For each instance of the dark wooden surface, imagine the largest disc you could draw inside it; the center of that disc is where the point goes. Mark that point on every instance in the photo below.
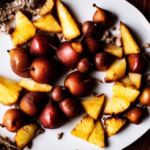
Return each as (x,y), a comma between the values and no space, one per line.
(144,142)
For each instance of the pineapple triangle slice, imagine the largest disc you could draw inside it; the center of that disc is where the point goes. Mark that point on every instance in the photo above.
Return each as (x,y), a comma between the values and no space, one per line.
(126,80)
(70,28)
(24,31)
(136,79)
(7,97)
(94,105)
(31,85)
(84,128)
(97,135)
(10,84)
(47,7)
(116,71)
(113,124)
(129,44)
(47,23)
(125,92)
(116,106)
(25,135)
(114,50)
(9,91)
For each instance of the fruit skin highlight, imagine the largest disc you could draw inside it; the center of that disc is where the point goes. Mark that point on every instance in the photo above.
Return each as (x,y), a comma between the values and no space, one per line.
(51,116)
(14,119)
(20,59)
(145,97)
(135,115)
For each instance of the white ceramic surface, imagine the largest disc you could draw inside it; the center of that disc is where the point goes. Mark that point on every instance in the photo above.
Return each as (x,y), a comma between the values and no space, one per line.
(83,10)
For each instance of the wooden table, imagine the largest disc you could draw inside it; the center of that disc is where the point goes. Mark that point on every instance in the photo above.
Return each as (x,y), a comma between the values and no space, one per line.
(144,142)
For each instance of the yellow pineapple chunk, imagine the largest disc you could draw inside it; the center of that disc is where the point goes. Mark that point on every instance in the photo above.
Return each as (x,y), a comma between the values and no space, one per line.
(97,135)
(116,106)
(136,79)
(126,80)
(113,124)
(70,28)
(31,85)
(25,135)
(129,44)
(116,71)
(47,7)
(114,50)
(94,105)
(24,31)
(47,23)
(84,128)
(125,91)
(9,91)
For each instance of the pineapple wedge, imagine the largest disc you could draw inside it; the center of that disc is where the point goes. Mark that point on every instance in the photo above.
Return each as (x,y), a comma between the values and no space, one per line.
(97,135)
(24,31)
(113,124)
(47,7)
(94,105)
(116,71)
(116,106)
(70,28)
(9,91)
(126,80)
(47,23)
(136,79)
(114,50)
(84,128)
(125,92)
(129,44)
(31,85)
(25,135)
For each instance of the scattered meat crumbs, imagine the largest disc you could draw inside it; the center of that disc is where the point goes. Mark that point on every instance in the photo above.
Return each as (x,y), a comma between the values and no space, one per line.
(59,135)
(114,28)
(146,45)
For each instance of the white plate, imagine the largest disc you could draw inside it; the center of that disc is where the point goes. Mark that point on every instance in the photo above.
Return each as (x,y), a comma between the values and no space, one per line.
(83,10)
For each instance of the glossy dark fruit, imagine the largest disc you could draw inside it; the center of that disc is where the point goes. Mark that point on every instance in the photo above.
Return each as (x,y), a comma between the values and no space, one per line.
(76,85)
(32,103)
(145,96)
(52,117)
(89,29)
(102,61)
(136,63)
(103,17)
(92,45)
(40,45)
(84,65)
(71,107)
(44,70)
(70,53)
(14,119)
(20,59)
(59,93)
(135,115)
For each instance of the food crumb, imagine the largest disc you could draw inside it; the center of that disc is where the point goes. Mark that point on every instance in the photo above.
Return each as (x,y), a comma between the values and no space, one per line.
(59,135)
(30,145)
(114,28)
(117,41)
(40,131)
(146,45)
(108,41)
(94,94)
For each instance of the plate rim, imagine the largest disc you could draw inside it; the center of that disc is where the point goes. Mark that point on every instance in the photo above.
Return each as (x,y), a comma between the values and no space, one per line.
(149,25)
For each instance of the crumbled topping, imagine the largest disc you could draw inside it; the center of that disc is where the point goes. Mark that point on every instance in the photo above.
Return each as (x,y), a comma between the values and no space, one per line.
(114,28)
(59,135)
(146,45)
